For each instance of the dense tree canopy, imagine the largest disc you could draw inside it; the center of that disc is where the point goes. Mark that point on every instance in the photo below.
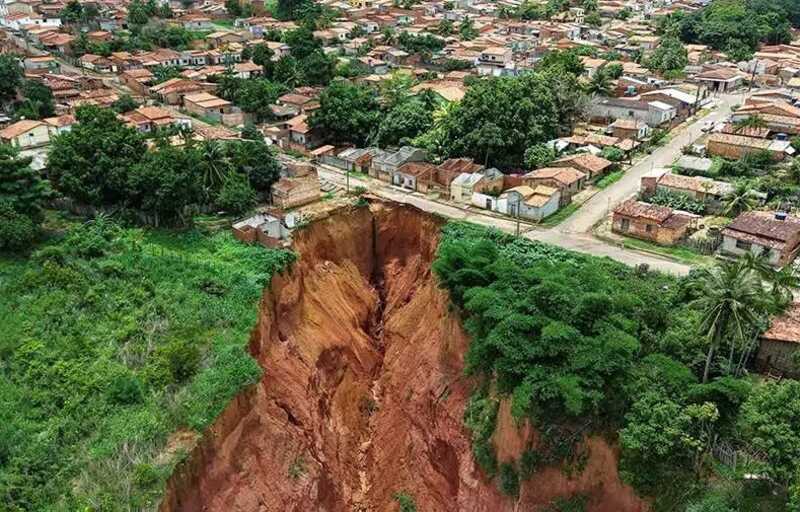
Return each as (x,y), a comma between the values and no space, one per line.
(104,163)
(347,113)
(22,199)
(500,117)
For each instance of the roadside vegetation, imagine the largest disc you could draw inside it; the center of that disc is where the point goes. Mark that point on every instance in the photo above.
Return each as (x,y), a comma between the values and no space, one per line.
(582,345)
(114,339)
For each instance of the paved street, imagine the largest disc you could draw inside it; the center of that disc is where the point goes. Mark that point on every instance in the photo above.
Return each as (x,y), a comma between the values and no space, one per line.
(598,206)
(575,232)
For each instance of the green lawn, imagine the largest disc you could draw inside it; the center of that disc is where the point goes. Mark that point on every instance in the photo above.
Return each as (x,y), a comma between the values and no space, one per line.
(558,217)
(223,23)
(609,179)
(114,339)
(683,254)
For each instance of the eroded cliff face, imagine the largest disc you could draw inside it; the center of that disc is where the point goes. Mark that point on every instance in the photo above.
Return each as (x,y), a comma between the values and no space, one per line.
(363,392)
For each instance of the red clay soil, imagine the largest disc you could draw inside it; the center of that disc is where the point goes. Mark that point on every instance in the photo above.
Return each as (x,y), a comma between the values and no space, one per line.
(363,392)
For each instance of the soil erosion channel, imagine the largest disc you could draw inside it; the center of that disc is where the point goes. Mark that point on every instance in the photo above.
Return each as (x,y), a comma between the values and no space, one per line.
(363,392)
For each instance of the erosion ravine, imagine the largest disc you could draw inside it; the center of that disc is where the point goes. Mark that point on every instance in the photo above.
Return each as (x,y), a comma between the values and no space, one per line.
(363,392)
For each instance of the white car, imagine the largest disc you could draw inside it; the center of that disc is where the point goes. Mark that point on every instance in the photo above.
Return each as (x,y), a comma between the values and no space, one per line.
(707,126)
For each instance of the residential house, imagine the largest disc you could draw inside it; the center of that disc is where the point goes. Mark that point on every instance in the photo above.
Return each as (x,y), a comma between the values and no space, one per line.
(685,104)
(148,119)
(385,163)
(654,223)
(705,190)
(733,147)
(568,180)
(416,176)
(301,136)
(531,203)
(462,186)
(268,230)
(778,345)
(174,90)
(654,113)
(775,235)
(60,124)
(495,61)
(43,64)
(138,80)
(293,192)
(592,165)
(630,129)
(207,105)
(720,79)
(453,167)
(26,134)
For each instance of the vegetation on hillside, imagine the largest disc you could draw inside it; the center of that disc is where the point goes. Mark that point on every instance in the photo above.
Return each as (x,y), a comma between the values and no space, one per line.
(113,340)
(580,344)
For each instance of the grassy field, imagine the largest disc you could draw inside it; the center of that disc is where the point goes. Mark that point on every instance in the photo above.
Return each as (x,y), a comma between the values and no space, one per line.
(113,340)
(680,253)
(560,216)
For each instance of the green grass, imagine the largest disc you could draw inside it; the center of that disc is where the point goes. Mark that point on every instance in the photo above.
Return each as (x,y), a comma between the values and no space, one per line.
(114,339)
(683,254)
(609,179)
(223,23)
(561,215)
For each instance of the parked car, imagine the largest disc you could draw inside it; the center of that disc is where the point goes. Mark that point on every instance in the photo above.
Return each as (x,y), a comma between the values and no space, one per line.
(707,126)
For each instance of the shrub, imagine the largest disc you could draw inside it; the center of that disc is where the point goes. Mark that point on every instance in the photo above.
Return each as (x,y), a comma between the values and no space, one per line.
(509,479)
(677,201)
(17,231)
(236,195)
(406,501)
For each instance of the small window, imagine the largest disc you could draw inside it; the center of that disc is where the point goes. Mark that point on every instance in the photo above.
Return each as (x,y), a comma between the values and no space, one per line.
(649,228)
(625,225)
(741,244)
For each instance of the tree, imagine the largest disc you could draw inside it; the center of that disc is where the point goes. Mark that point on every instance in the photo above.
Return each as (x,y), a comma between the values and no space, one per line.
(445,27)
(539,155)
(396,89)
(138,14)
(91,162)
(402,123)
(770,422)
(38,101)
(749,123)
(255,160)
(233,7)
(563,60)
(23,194)
(669,56)
(20,186)
(262,56)
(236,195)
(600,84)
(613,70)
(124,104)
(257,96)
(467,30)
(164,72)
(10,76)
(499,118)
(731,299)
(347,113)
(739,201)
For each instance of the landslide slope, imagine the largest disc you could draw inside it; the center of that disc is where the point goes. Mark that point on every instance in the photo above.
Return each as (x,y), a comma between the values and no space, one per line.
(363,392)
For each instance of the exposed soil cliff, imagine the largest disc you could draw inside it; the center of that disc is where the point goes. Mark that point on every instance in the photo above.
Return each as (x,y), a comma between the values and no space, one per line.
(363,392)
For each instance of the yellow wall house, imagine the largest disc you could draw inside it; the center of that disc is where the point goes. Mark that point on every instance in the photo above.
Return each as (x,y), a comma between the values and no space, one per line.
(27,133)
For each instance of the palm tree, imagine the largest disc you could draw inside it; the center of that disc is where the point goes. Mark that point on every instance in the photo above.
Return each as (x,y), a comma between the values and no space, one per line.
(600,85)
(783,282)
(740,200)
(730,297)
(753,122)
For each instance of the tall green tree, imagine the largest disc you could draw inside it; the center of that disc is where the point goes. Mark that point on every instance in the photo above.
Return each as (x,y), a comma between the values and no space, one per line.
(347,113)
(10,76)
(91,163)
(731,299)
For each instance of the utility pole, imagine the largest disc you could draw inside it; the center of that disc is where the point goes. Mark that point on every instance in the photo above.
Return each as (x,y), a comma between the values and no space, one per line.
(517,211)
(347,180)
